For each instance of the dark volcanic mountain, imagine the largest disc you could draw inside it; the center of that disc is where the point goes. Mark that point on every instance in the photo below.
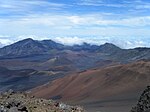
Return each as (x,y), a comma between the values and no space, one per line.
(49,44)
(84,47)
(49,55)
(21,48)
(108,51)
(29,47)
(109,48)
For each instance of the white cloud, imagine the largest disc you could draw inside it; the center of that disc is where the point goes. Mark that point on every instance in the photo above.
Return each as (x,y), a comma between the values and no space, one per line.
(4,42)
(77,25)
(135,43)
(69,40)
(28,5)
(121,42)
(7,40)
(80,40)
(76,19)
(21,37)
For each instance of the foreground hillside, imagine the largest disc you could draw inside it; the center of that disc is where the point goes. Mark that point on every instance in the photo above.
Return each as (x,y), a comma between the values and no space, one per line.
(112,87)
(22,102)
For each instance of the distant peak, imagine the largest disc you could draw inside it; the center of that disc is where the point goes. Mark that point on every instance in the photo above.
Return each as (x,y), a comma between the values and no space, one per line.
(109,48)
(28,39)
(50,42)
(109,45)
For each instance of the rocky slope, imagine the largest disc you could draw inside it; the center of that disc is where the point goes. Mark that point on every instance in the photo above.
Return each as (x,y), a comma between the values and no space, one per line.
(22,102)
(143,104)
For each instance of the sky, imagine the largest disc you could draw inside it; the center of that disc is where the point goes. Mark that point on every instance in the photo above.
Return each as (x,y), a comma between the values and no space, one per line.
(125,23)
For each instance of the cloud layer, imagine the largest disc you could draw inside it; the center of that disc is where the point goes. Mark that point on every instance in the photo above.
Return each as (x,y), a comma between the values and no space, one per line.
(76,21)
(68,25)
(121,42)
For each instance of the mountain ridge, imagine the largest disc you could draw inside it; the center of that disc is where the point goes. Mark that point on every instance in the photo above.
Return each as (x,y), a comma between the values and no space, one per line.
(83,44)
(31,47)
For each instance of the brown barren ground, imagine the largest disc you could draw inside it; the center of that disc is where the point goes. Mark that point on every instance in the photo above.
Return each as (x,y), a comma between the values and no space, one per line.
(111,89)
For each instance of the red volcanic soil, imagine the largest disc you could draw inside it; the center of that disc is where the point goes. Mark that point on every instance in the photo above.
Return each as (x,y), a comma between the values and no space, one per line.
(111,89)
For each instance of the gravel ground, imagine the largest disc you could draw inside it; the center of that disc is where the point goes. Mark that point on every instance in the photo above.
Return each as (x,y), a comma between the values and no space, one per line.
(22,102)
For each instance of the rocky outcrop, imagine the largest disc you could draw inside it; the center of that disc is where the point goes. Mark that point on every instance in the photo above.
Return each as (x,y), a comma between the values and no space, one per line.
(143,104)
(22,102)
